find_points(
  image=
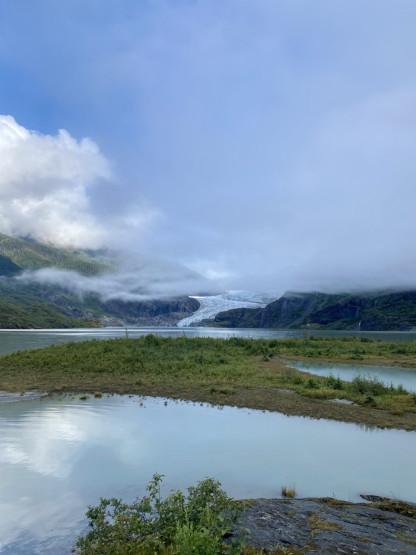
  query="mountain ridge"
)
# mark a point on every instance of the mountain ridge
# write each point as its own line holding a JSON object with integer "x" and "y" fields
{"x": 378, "y": 311}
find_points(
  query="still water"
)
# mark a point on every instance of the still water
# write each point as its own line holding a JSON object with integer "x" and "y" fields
{"x": 14, "y": 340}
{"x": 59, "y": 455}
{"x": 347, "y": 372}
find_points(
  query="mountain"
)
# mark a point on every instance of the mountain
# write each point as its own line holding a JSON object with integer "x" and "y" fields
{"x": 367, "y": 311}
{"x": 29, "y": 303}
{"x": 19, "y": 254}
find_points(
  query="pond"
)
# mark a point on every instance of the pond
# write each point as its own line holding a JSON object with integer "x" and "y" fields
{"x": 57, "y": 455}
{"x": 347, "y": 372}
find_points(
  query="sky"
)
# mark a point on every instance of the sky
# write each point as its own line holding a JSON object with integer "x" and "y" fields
{"x": 267, "y": 145}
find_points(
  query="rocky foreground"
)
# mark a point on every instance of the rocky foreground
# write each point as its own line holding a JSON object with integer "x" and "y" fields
{"x": 329, "y": 525}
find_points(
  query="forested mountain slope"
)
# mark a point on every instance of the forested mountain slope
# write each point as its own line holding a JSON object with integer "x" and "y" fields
{"x": 367, "y": 311}
{"x": 27, "y": 303}
{"x": 19, "y": 254}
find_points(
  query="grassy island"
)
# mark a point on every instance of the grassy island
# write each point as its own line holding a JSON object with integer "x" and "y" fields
{"x": 237, "y": 371}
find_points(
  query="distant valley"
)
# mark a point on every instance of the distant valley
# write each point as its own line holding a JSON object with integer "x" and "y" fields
{"x": 31, "y": 298}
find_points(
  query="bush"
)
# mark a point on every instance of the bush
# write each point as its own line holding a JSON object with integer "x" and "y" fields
{"x": 374, "y": 387}
{"x": 311, "y": 383}
{"x": 196, "y": 523}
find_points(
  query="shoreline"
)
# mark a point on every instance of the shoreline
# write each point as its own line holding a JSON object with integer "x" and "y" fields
{"x": 287, "y": 402}
{"x": 245, "y": 373}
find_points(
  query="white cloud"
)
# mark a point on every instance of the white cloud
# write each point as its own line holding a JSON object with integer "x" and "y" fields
{"x": 45, "y": 183}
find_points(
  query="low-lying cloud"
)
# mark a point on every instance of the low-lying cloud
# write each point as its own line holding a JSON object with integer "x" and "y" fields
{"x": 140, "y": 281}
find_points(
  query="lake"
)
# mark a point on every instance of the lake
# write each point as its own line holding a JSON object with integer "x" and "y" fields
{"x": 58, "y": 455}
{"x": 14, "y": 340}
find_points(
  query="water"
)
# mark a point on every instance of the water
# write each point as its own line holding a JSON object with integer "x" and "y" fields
{"x": 387, "y": 375}
{"x": 59, "y": 455}
{"x": 14, "y": 340}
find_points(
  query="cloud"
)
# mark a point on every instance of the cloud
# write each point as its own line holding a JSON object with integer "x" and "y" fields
{"x": 275, "y": 139}
{"x": 138, "y": 280}
{"x": 45, "y": 186}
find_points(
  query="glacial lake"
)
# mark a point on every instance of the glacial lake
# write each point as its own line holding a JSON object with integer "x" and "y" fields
{"x": 14, "y": 340}
{"x": 347, "y": 372}
{"x": 58, "y": 455}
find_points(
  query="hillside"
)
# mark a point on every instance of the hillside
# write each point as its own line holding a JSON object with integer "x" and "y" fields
{"x": 27, "y": 304}
{"x": 384, "y": 311}
{"x": 14, "y": 315}
{"x": 19, "y": 254}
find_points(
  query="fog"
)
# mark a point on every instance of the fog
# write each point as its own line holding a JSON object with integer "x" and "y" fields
{"x": 132, "y": 281}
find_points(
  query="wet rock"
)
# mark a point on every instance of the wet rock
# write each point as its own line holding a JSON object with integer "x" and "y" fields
{"x": 327, "y": 525}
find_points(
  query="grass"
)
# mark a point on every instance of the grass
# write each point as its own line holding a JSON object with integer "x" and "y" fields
{"x": 237, "y": 371}
{"x": 319, "y": 524}
{"x": 288, "y": 491}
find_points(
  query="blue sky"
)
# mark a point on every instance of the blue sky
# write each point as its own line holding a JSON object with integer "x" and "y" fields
{"x": 267, "y": 144}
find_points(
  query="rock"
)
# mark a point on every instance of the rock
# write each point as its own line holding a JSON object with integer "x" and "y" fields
{"x": 327, "y": 525}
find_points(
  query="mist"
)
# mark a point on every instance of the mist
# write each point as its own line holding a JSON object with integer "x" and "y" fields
{"x": 133, "y": 281}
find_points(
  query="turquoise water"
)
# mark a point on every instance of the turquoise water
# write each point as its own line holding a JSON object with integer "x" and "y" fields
{"x": 59, "y": 455}
{"x": 347, "y": 372}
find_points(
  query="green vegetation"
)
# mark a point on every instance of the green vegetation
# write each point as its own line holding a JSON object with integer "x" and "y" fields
{"x": 58, "y": 307}
{"x": 288, "y": 491}
{"x": 185, "y": 525}
{"x": 319, "y": 524}
{"x": 38, "y": 315}
{"x": 16, "y": 254}
{"x": 376, "y": 311}
{"x": 392, "y": 505}
{"x": 224, "y": 372}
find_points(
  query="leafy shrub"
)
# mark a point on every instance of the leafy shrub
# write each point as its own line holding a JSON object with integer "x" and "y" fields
{"x": 196, "y": 523}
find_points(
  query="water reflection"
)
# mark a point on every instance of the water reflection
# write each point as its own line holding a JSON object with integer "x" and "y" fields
{"x": 58, "y": 456}
{"x": 347, "y": 372}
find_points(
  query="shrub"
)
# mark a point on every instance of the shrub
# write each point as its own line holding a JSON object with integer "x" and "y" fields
{"x": 196, "y": 523}
{"x": 330, "y": 381}
{"x": 311, "y": 383}
{"x": 369, "y": 386}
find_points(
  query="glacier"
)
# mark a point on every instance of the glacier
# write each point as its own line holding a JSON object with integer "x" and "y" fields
{"x": 211, "y": 305}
